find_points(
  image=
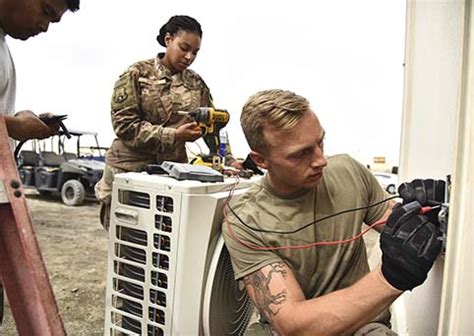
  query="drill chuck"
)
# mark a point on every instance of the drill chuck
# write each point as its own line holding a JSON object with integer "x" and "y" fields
{"x": 207, "y": 115}
{"x": 200, "y": 115}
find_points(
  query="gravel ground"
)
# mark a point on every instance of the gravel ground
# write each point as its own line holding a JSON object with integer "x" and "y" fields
{"x": 74, "y": 248}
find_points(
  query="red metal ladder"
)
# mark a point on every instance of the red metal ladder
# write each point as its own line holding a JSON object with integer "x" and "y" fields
{"x": 21, "y": 265}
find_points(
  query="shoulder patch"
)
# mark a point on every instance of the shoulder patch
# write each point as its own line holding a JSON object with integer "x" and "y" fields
{"x": 124, "y": 93}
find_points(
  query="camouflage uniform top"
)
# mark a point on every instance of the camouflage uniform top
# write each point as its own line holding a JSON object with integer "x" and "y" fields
{"x": 145, "y": 102}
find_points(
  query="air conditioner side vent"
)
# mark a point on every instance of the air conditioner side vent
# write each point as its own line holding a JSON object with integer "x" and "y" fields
{"x": 134, "y": 198}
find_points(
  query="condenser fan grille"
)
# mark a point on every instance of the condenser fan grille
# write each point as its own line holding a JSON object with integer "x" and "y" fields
{"x": 230, "y": 307}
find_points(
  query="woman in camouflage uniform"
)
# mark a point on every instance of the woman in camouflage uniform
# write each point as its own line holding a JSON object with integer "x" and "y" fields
{"x": 145, "y": 102}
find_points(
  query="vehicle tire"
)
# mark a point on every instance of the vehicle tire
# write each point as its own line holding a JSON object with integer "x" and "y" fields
{"x": 72, "y": 192}
{"x": 391, "y": 189}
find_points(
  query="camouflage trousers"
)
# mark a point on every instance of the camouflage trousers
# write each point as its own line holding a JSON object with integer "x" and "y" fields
{"x": 103, "y": 192}
{"x": 371, "y": 329}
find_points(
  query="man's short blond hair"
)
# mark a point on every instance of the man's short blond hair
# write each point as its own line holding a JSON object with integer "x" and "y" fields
{"x": 278, "y": 108}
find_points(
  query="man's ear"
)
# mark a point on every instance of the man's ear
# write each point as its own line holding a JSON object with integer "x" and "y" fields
{"x": 259, "y": 159}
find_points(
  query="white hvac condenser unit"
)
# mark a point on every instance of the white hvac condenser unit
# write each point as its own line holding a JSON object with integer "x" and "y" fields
{"x": 169, "y": 272}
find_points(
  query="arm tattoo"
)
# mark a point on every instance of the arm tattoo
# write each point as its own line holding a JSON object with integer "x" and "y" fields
{"x": 260, "y": 284}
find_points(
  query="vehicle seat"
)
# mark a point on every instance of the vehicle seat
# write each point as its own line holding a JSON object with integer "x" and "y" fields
{"x": 69, "y": 156}
{"x": 51, "y": 159}
{"x": 28, "y": 159}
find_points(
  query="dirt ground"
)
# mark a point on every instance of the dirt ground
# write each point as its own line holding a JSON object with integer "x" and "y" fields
{"x": 74, "y": 248}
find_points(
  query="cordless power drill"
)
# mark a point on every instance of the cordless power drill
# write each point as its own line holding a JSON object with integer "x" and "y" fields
{"x": 211, "y": 121}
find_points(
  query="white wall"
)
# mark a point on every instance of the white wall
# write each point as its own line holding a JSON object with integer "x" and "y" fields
{"x": 433, "y": 87}
{"x": 457, "y": 305}
{"x": 345, "y": 56}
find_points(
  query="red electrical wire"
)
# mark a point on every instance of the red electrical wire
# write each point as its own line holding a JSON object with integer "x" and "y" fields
{"x": 299, "y": 247}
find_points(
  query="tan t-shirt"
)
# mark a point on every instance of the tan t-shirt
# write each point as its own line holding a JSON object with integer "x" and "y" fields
{"x": 346, "y": 184}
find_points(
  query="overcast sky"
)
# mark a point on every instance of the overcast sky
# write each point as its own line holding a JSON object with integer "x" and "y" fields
{"x": 345, "y": 56}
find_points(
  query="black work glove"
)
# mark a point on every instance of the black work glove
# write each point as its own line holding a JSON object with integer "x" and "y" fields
{"x": 426, "y": 192}
{"x": 410, "y": 245}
